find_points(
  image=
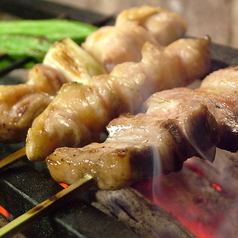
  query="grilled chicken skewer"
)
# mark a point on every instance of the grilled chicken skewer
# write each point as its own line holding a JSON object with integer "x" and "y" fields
{"x": 21, "y": 104}
{"x": 79, "y": 113}
{"x": 177, "y": 124}
{"x": 112, "y": 45}
{"x": 73, "y": 63}
{"x": 132, "y": 151}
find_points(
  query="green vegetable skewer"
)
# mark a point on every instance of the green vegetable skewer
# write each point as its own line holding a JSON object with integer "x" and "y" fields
{"x": 24, "y": 38}
{"x": 19, "y": 46}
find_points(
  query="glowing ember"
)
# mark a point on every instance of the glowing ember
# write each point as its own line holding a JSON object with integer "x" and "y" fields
{"x": 200, "y": 173}
{"x": 192, "y": 196}
{"x": 217, "y": 187}
{"x": 64, "y": 185}
{"x": 4, "y": 212}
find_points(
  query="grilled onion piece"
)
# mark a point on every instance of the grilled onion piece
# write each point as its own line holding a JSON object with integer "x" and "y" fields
{"x": 176, "y": 125}
{"x": 79, "y": 113}
{"x": 112, "y": 45}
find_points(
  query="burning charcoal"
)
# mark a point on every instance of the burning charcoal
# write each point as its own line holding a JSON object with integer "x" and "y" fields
{"x": 203, "y": 195}
{"x": 23, "y": 188}
{"x": 141, "y": 215}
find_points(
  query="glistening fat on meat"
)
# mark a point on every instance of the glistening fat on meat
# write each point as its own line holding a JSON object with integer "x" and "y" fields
{"x": 112, "y": 45}
{"x": 177, "y": 124}
{"x": 79, "y": 113}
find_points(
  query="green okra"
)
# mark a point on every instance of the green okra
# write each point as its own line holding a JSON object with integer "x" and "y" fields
{"x": 24, "y": 38}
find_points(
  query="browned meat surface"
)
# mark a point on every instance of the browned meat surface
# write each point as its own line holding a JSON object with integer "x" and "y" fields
{"x": 20, "y": 104}
{"x": 218, "y": 92}
{"x": 176, "y": 125}
{"x": 127, "y": 154}
{"x": 112, "y": 45}
{"x": 79, "y": 113}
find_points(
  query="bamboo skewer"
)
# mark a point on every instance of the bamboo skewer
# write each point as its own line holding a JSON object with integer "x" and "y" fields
{"x": 13, "y": 157}
{"x": 23, "y": 221}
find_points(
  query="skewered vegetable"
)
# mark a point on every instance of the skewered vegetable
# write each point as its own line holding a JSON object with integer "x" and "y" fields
{"x": 76, "y": 64}
{"x": 24, "y": 38}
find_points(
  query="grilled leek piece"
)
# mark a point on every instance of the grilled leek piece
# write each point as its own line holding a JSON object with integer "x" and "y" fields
{"x": 72, "y": 61}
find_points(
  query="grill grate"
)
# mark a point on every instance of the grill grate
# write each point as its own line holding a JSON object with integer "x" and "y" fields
{"x": 24, "y": 187}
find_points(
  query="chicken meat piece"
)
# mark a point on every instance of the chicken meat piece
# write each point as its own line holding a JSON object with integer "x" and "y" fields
{"x": 137, "y": 147}
{"x": 223, "y": 86}
{"x": 112, "y": 45}
{"x": 165, "y": 26}
{"x": 176, "y": 124}
{"x": 79, "y": 113}
{"x": 21, "y": 104}
{"x": 177, "y": 65}
{"x": 218, "y": 91}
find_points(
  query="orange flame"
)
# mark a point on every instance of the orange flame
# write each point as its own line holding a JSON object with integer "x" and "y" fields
{"x": 4, "y": 212}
